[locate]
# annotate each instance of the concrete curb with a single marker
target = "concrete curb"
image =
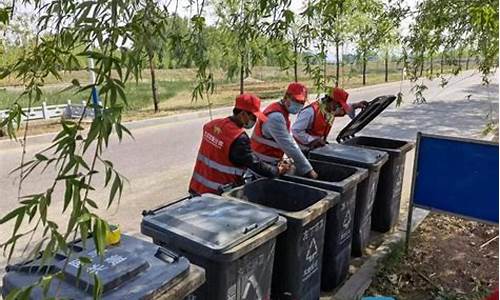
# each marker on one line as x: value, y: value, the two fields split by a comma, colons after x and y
x: 183, y: 117
x: 358, y: 283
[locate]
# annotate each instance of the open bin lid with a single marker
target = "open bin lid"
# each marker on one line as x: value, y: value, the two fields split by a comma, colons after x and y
x: 374, y: 108
x: 132, y: 269
x: 210, y: 223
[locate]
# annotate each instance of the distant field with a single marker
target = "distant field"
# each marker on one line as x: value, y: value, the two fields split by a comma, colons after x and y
x: 175, y: 87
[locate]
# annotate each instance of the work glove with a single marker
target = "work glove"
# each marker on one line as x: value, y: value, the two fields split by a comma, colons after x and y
x: 312, y: 174
x: 361, y: 104
x: 317, y: 143
x: 284, y: 166
x: 339, y: 112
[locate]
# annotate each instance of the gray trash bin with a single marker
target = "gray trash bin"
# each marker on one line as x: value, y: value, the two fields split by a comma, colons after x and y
x: 297, y: 265
x: 369, y: 159
x: 339, y: 219
x: 387, y: 202
x: 232, y: 240
x: 133, y: 269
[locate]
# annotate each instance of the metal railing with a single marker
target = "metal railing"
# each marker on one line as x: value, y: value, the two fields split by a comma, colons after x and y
x: 46, y: 112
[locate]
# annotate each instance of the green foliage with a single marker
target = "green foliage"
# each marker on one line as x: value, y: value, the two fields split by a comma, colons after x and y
x: 248, y: 27
x: 240, y: 25
x: 449, y: 25
x: 100, y: 30
x: 418, y: 89
x: 4, y: 15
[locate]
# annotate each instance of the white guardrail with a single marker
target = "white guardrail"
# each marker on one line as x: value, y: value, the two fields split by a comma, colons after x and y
x: 46, y: 112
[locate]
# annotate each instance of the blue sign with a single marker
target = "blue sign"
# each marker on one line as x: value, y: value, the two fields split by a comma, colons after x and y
x: 457, y: 176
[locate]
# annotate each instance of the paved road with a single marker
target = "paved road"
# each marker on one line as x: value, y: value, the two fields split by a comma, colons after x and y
x: 158, y: 163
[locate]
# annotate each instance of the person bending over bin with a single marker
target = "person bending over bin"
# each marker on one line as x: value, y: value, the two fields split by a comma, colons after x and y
x: 314, y: 122
x: 271, y: 137
x: 225, y: 152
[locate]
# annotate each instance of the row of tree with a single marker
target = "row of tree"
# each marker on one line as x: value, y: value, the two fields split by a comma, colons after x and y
x: 246, y: 35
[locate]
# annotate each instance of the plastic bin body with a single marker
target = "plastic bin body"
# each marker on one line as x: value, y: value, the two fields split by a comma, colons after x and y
x: 299, y: 250
x: 248, y: 277
x: 388, y: 200
x: 369, y: 159
x: 134, y: 269
x: 233, y: 241
x: 339, y: 219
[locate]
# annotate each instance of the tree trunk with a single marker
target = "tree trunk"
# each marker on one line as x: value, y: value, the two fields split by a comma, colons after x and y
x: 337, y: 60
x: 467, y: 63
x: 337, y: 42
x: 342, y: 67
x: 386, y: 66
x: 154, y: 90
x: 295, y: 67
x: 460, y: 59
x: 242, y: 74
x: 431, y: 66
x: 364, y: 68
x: 442, y: 62
x: 324, y: 73
x: 422, y: 61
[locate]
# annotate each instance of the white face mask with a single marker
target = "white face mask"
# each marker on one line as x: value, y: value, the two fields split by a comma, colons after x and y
x: 249, y: 124
x: 294, y: 107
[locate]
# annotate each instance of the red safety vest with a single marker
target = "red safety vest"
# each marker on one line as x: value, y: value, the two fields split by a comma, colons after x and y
x: 213, y: 169
x: 320, y: 126
x: 493, y: 296
x: 267, y: 148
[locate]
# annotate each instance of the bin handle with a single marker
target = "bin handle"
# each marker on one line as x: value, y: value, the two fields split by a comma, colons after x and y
x: 30, y: 268
x: 227, y: 187
x: 166, y: 255
x: 149, y: 212
x: 250, y: 228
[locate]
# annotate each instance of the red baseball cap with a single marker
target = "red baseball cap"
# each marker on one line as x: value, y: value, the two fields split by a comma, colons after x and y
x: 298, y: 91
x: 250, y: 103
x: 340, y: 96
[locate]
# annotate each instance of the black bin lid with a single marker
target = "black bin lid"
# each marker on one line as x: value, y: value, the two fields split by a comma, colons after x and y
x: 352, y: 155
x: 133, y: 269
x: 114, y: 268
x: 374, y: 108
x: 210, y: 223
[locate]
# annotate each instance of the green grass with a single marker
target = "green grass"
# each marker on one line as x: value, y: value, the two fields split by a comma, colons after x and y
x: 268, y: 82
x: 138, y: 94
x: 394, y: 258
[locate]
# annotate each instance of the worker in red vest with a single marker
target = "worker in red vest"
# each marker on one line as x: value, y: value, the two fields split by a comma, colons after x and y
x: 493, y: 296
x: 225, y: 152
x: 314, y: 122
x: 271, y: 138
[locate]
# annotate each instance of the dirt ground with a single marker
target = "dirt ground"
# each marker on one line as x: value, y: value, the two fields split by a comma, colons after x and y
x: 450, y: 258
